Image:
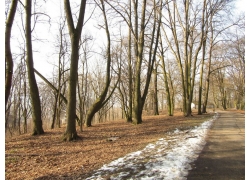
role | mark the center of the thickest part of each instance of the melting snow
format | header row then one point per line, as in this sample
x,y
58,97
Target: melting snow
x,y
168,158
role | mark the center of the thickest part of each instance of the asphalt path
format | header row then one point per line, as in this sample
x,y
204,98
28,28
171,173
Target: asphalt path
x,y
223,157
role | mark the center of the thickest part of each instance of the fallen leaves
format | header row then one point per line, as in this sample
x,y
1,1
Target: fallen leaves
x,y
48,157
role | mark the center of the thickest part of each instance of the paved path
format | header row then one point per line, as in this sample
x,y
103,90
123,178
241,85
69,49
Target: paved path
x,y
223,157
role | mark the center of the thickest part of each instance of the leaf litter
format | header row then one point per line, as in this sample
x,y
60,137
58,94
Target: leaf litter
x,y
138,148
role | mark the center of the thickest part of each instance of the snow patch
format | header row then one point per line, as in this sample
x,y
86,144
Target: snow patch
x,y
168,158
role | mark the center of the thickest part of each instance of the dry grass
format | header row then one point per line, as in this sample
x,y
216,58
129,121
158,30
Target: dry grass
x,y
48,157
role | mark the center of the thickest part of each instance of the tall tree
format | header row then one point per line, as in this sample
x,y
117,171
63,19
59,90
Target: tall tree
x,y
204,41
130,83
83,81
137,41
138,48
34,92
207,85
8,54
139,98
100,101
75,34
63,48
187,43
155,73
237,72
125,11
214,29
167,80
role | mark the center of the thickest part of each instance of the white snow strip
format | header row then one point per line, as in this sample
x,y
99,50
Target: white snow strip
x,y
168,158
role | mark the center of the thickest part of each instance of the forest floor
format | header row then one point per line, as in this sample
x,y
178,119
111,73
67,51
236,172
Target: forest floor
x,y
48,157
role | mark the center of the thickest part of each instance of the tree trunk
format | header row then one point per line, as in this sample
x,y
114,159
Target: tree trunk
x,y
54,113
98,104
138,99
169,104
34,92
203,40
186,109
177,51
201,79
204,108
130,86
75,34
25,113
224,100
19,120
8,54
81,106
138,47
71,133
187,60
156,111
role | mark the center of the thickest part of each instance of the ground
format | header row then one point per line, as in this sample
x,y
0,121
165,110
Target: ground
x,y
48,157
223,156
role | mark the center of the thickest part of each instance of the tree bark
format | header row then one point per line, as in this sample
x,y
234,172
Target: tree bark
x,y
139,99
201,78
34,92
138,47
156,110
167,82
8,54
54,113
98,104
177,50
203,40
204,108
130,86
75,34
187,61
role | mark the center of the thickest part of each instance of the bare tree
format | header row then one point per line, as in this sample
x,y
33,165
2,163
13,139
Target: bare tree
x,y
83,80
138,48
63,48
19,101
185,51
236,72
213,9
205,25
8,54
155,80
139,98
34,92
75,35
215,30
101,100
168,82
125,85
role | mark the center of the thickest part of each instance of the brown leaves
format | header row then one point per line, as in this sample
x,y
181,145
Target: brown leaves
x,y
48,157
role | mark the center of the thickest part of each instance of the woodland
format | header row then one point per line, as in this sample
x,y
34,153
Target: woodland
x,y
119,59
118,75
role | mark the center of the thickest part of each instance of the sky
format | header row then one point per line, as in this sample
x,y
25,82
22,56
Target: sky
x,y
44,49
45,53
